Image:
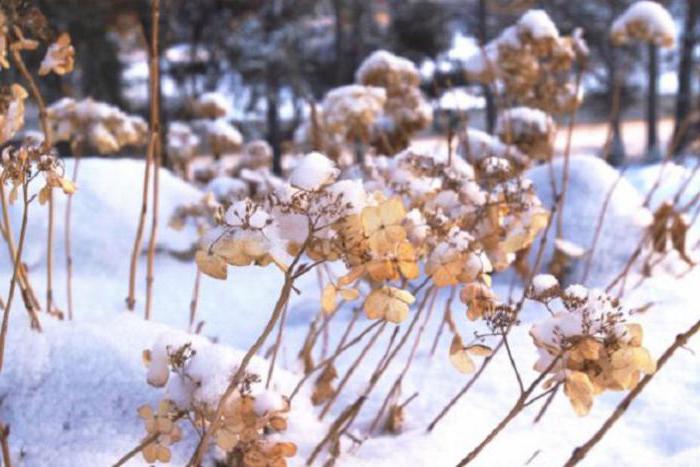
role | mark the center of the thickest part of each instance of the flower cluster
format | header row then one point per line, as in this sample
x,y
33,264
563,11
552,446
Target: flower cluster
x,y
645,21
194,373
406,110
532,63
385,108
20,164
532,131
587,346
413,209
95,125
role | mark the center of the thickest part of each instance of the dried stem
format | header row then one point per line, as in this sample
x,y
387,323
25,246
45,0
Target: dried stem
x,y
146,441
289,276
154,77
581,451
67,239
195,299
277,345
395,387
547,403
567,157
599,226
150,153
519,405
31,303
446,318
5,445
330,359
465,389
351,370
49,256
15,273
47,144
138,239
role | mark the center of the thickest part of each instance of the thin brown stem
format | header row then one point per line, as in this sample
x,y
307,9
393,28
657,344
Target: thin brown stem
x,y
277,345
67,240
599,226
154,77
519,405
547,403
49,256
15,273
31,303
567,157
195,298
351,370
282,301
464,389
337,353
5,445
47,144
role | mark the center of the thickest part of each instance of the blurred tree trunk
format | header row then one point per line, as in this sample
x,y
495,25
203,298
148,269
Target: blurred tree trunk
x,y
273,120
653,153
357,48
615,155
339,39
685,73
488,95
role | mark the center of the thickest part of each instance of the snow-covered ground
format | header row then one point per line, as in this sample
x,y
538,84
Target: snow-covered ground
x,y
70,394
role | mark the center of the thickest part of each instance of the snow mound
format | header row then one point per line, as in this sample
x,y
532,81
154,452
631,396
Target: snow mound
x,y
590,181
81,384
104,216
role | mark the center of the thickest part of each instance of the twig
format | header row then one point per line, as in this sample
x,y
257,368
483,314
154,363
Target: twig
x,y
277,345
599,225
351,370
4,443
67,240
15,273
519,405
146,441
195,298
337,353
46,145
465,389
154,77
581,451
567,158
547,403
31,303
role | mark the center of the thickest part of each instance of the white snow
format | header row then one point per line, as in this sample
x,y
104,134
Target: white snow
x,y
655,20
542,283
313,171
538,24
70,394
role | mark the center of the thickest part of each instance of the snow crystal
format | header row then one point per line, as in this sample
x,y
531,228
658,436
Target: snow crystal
x,y
313,171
